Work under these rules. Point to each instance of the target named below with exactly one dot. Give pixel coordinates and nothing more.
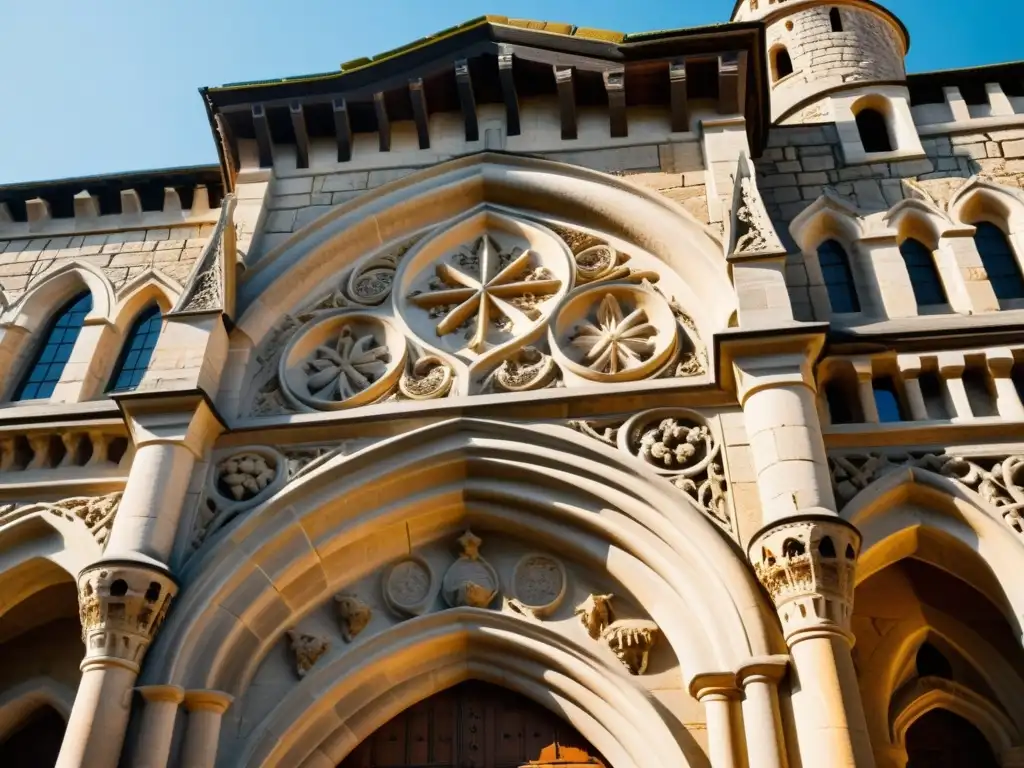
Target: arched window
(924, 277)
(999, 261)
(137, 350)
(873, 130)
(835, 268)
(55, 351)
(835, 20)
(783, 63)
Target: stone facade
(647, 417)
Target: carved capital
(121, 607)
(807, 565)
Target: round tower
(815, 48)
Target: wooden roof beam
(508, 90)
(680, 109)
(301, 134)
(615, 87)
(566, 101)
(467, 99)
(380, 108)
(263, 142)
(731, 82)
(342, 129)
(420, 114)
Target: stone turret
(815, 48)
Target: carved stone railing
(42, 450)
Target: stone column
(762, 721)
(158, 715)
(1000, 365)
(807, 566)
(205, 709)
(910, 368)
(866, 388)
(805, 555)
(951, 369)
(121, 607)
(719, 695)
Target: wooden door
(475, 725)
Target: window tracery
(55, 351)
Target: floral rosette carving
(525, 369)
(615, 332)
(681, 446)
(342, 360)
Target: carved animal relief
(631, 640)
(307, 650)
(353, 614)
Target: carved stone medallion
(342, 360)
(244, 476)
(470, 581)
(538, 583)
(409, 586)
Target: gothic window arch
(137, 350)
(835, 269)
(924, 275)
(999, 260)
(55, 350)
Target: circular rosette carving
(615, 333)
(527, 368)
(673, 441)
(409, 587)
(539, 583)
(341, 361)
(246, 477)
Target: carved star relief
(616, 342)
(486, 285)
(351, 366)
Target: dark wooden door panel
(475, 725)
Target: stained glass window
(138, 349)
(54, 353)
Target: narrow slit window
(783, 64)
(933, 392)
(924, 276)
(873, 130)
(999, 261)
(835, 269)
(979, 389)
(137, 351)
(887, 401)
(55, 351)
(836, 20)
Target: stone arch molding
(490, 273)
(46, 294)
(22, 700)
(340, 704)
(909, 506)
(549, 486)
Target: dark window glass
(137, 351)
(886, 401)
(874, 133)
(835, 268)
(836, 20)
(1017, 374)
(933, 392)
(999, 261)
(53, 355)
(783, 64)
(840, 403)
(979, 392)
(924, 277)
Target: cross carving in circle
(487, 284)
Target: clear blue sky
(109, 85)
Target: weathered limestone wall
(869, 48)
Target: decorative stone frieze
(807, 566)
(1001, 486)
(209, 288)
(92, 449)
(121, 608)
(679, 445)
(307, 650)
(96, 512)
(631, 640)
(470, 580)
(353, 615)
